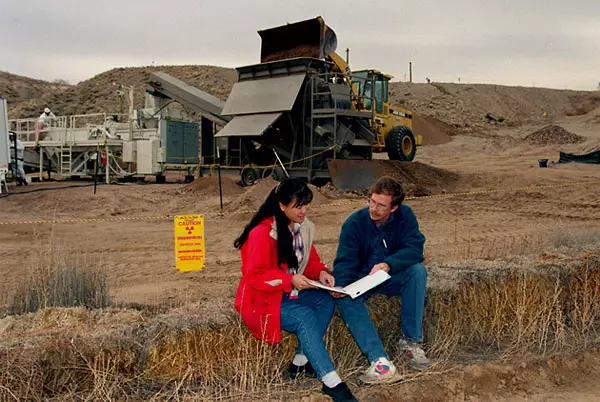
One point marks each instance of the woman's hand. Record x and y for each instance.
(326, 279)
(301, 282)
(329, 280)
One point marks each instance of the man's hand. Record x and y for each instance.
(301, 282)
(382, 266)
(326, 279)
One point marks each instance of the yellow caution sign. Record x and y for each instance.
(189, 242)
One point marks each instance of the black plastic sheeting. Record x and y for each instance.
(592, 157)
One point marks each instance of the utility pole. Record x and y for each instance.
(410, 71)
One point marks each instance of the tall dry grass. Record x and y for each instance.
(488, 314)
(61, 278)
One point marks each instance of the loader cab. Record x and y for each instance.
(372, 86)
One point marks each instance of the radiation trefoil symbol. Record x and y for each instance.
(190, 229)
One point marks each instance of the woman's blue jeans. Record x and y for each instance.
(308, 317)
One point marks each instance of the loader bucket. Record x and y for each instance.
(308, 38)
(349, 174)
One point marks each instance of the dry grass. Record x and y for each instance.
(61, 279)
(489, 314)
(518, 312)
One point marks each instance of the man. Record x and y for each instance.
(46, 120)
(17, 152)
(384, 236)
(47, 117)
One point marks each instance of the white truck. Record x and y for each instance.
(4, 144)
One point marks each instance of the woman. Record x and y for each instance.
(275, 292)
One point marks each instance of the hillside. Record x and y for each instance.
(472, 107)
(20, 90)
(98, 93)
(453, 107)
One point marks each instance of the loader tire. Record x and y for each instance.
(249, 175)
(400, 144)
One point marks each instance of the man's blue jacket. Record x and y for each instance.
(398, 242)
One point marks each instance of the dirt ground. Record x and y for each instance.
(499, 200)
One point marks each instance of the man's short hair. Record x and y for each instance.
(389, 186)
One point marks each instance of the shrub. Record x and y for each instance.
(61, 281)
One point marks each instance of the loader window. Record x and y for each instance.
(363, 80)
(386, 84)
(379, 96)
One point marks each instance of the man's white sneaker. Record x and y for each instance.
(382, 371)
(414, 354)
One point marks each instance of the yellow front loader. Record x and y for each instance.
(303, 109)
(313, 38)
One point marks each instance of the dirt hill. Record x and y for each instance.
(473, 107)
(445, 108)
(98, 93)
(21, 90)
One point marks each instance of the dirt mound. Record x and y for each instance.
(298, 51)
(434, 131)
(209, 185)
(418, 179)
(553, 134)
(255, 195)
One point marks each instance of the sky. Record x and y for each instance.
(552, 43)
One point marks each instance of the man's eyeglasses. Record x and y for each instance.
(376, 205)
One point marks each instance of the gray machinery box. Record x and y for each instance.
(179, 141)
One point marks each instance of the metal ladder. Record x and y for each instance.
(66, 154)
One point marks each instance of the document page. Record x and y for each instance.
(359, 287)
(321, 286)
(367, 283)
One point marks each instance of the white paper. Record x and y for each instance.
(321, 286)
(367, 283)
(360, 286)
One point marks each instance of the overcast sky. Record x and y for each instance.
(552, 43)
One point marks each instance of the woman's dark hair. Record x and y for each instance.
(289, 190)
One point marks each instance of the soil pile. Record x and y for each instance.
(434, 131)
(418, 179)
(209, 185)
(255, 195)
(553, 134)
(298, 51)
